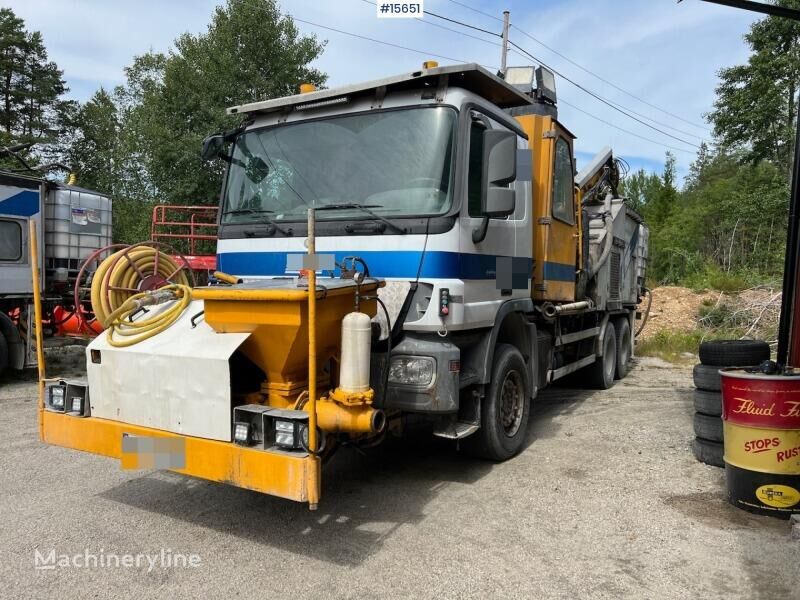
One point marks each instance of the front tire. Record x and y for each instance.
(505, 409)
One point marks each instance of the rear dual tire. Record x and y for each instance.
(622, 330)
(602, 372)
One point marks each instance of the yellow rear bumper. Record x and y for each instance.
(278, 474)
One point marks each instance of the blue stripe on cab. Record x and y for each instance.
(22, 204)
(558, 272)
(396, 264)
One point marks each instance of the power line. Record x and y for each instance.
(376, 41)
(457, 60)
(601, 99)
(612, 84)
(427, 12)
(595, 75)
(614, 126)
(473, 9)
(611, 103)
(432, 24)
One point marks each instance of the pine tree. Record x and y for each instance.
(32, 108)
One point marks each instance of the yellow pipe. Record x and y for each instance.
(224, 277)
(37, 315)
(333, 417)
(314, 483)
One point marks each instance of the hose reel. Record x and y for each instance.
(128, 280)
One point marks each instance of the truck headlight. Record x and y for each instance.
(412, 370)
(285, 434)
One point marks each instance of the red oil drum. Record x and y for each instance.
(761, 422)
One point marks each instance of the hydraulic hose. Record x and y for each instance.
(646, 312)
(128, 272)
(129, 332)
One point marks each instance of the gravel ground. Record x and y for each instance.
(605, 502)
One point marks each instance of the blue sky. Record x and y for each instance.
(662, 52)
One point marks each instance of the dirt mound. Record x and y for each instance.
(675, 308)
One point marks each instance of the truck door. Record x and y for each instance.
(505, 238)
(557, 225)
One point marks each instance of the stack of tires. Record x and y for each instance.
(708, 442)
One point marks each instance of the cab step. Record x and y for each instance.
(455, 430)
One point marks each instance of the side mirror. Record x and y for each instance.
(499, 169)
(213, 146)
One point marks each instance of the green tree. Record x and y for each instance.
(640, 187)
(94, 151)
(32, 107)
(250, 52)
(756, 106)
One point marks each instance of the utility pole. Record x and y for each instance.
(504, 55)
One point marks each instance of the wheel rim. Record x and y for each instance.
(512, 403)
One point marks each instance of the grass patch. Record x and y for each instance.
(675, 345)
(714, 278)
(670, 345)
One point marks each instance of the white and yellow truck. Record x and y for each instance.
(458, 265)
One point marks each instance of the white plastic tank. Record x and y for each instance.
(356, 340)
(77, 222)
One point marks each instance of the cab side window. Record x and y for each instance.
(475, 167)
(563, 184)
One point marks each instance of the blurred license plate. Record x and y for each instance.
(144, 452)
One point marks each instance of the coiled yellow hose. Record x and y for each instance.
(120, 276)
(115, 293)
(129, 332)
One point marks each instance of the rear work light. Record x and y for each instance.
(56, 397)
(241, 433)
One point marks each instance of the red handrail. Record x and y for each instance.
(194, 223)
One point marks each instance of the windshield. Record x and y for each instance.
(396, 163)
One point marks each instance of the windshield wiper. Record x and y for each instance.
(366, 208)
(264, 217)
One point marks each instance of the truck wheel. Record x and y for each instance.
(622, 329)
(504, 410)
(733, 353)
(604, 367)
(3, 353)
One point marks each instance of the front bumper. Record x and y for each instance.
(286, 475)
